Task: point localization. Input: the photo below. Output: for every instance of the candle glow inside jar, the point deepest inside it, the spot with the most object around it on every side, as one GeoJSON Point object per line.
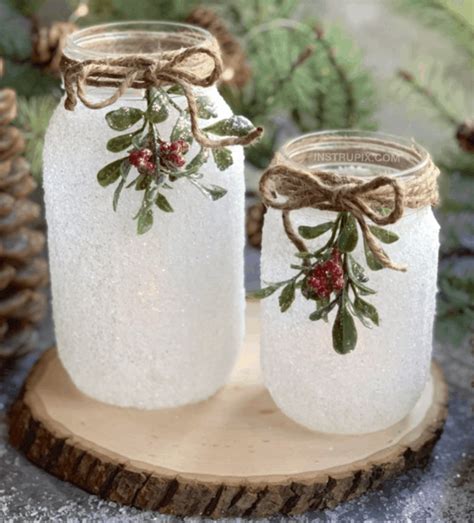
{"type": "Point", "coordinates": [377, 383]}
{"type": "Point", "coordinates": [147, 320]}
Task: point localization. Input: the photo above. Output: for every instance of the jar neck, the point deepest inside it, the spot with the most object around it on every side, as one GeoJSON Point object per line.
{"type": "Point", "coordinates": [157, 40]}
{"type": "Point", "coordinates": [136, 95]}
{"type": "Point", "coordinates": [356, 153]}
{"type": "Point", "coordinates": [132, 56]}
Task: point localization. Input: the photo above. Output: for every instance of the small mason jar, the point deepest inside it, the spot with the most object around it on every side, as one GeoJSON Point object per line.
{"type": "Point", "coordinates": [153, 320]}
{"type": "Point", "coordinates": [378, 383]}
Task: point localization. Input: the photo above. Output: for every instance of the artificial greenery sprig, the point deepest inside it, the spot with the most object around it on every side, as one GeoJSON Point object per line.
{"type": "Point", "coordinates": [159, 163]}
{"type": "Point", "coordinates": [332, 278]}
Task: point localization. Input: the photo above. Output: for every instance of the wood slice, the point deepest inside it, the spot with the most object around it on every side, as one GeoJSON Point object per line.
{"type": "Point", "coordinates": [233, 455]}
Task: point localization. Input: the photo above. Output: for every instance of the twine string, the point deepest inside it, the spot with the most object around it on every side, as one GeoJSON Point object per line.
{"type": "Point", "coordinates": [301, 188]}
{"type": "Point", "coordinates": [139, 71]}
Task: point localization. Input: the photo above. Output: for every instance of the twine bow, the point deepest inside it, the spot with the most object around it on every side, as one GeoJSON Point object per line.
{"type": "Point", "coordinates": [138, 71]}
{"type": "Point", "coordinates": [327, 191]}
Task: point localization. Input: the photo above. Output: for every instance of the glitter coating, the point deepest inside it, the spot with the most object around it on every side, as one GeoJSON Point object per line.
{"type": "Point", "coordinates": [379, 382]}
{"type": "Point", "coordinates": [148, 321]}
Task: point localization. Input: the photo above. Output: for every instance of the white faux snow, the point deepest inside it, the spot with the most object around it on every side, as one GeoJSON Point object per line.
{"type": "Point", "coordinates": [147, 321]}
{"type": "Point", "coordinates": [379, 382]}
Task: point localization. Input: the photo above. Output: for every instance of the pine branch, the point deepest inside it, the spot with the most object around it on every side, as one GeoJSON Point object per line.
{"type": "Point", "coordinates": [439, 15]}
{"type": "Point", "coordinates": [428, 95]}
{"type": "Point", "coordinates": [27, 8]}
{"type": "Point", "coordinates": [33, 118]}
{"type": "Point", "coordinates": [457, 20]}
{"type": "Point", "coordinates": [248, 14]}
{"type": "Point", "coordinates": [15, 35]}
{"type": "Point", "coordinates": [283, 80]}
{"type": "Point", "coordinates": [341, 75]}
{"type": "Point", "coordinates": [106, 10]}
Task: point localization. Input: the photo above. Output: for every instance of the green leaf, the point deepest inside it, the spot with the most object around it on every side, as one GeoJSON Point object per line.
{"type": "Point", "coordinates": [383, 235]}
{"type": "Point", "coordinates": [124, 170]}
{"type": "Point", "coordinates": [309, 233]}
{"type": "Point", "coordinates": [216, 192]}
{"type": "Point", "coordinates": [123, 118]}
{"type": "Point", "coordinates": [358, 278]}
{"type": "Point", "coordinates": [371, 260]}
{"type": "Point", "coordinates": [145, 221]}
{"type": "Point", "coordinates": [110, 173]}
{"type": "Point", "coordinates": [140, 138]}
{"type": "Point", "coordinates": [142, 182]}
{"type": "Point", "coordinates": [365, 322]}
{"type": "Point", "coordinates": [198, 161]}
{"type": "Point", "coordinates": [233, 126]}
{"type": "Point", "coordinates": [318, 314]}
{"type": "Point", "coordinates": [357, 271]}
{"type": "Point", "coordinates": [367, 310]}
{"type": "Point", "coordinates": [287, 296]}
{"type": "Point", "coordinates": [213, 191]}
{"type": "Point", "coordinates": [182, 129]}
{"type": "Point", "coordinates": [348, 238]}
{"type": "Point", "coordinates": [119, 143]}
{"type": "Point", "coordinates": [304, 255]}
{"type": "Point", "coordinates": [175, 89]}
{"type": "Point", "coordinates": [323, 308]}
{"type": "Point", "coordinates": [158, 110]}
{"type": "Point", "coordinates": [163, 203]}
{"type": "Point", "coordinates": [117, 192]}
{"type": "Point", "coordinates": [344, 333]}
{"type": "Point", "coordinates": [206, 108]}
{"type": "Point", "coordinates": [223, 158]}
{"type": "Point", "coordinates": [265, 291]}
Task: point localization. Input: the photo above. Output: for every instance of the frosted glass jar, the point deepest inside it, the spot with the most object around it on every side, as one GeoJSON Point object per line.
{"type": "Point", "coordinates": [380, 381]}
{"type": "Point", "coordinates": [148, 321]}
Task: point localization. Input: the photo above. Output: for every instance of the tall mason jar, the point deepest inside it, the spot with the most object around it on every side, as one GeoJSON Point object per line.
{"type": "Point", "coordinates": [153, 320]}
{"type": "Point", "coordinates": [379, 382]}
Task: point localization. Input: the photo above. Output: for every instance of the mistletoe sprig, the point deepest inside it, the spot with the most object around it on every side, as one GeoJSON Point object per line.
{"type": "Point", "coordinates": [332, 278]}
{"type": "Point", "coordinates": [158, 164]}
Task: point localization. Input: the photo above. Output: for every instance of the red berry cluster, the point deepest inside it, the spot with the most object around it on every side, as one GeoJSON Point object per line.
{"type": "Point", "coordinates": [142, 159]}
{"type": "Point", "coordinates": [171, 153]}
{"type": "Point", "coordinates": [327, 277]}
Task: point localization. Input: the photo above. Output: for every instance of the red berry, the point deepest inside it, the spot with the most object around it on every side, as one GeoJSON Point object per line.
{"type": "Point", "coordinates": [134, 157]}
{"type": "Point", "coordinates": [171, 153]}
{"type": "Point", "coordinates": [327, 277]}
{"type": "Point", "coordinates": [183, 146]}
{"type": "Point", "coordinates": [139, 157]}
{"type": "Point", "coordinates": [148, 166]}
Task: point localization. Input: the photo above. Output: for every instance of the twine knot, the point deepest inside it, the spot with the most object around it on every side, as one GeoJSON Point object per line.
{"type": "Point", "coordinates": [195, 66]}
{"type": "Point", "coordinates": [287, 187]}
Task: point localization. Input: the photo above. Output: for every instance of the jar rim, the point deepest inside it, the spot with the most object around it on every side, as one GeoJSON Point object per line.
{"type": "Point", "coordinates": [82, 44]}
{"type": "Point", "coordinates": [400, 150]}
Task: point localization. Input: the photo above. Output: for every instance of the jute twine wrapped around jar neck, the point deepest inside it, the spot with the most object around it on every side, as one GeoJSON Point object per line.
{"type": "Point", "coordinates": [288, 185]}
{"type": "Point", "coordinates": [197, 64]}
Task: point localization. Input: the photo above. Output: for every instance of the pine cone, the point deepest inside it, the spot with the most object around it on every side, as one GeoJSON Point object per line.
{"type": "Point", "coordinates": [22, 270]}
{"type": "Point", "coordinates": [236, 69]}
{"type": "Point", "coordinates": [254, 224]}
{"type": "Point", "coordinates": [465, 136]}
{"type": "Point", "coordinates": [48, 44]}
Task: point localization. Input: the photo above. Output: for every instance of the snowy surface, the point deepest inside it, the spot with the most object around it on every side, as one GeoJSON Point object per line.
{"type": "Point", "coordinates": [143, 321]}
